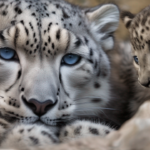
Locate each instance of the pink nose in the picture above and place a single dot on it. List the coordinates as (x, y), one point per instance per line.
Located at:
(39, 108)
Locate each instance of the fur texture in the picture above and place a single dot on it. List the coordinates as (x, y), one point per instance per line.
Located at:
(139, 28)
(37, 89)
(45, 101)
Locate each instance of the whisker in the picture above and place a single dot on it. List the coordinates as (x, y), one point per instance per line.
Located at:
(62, 120)
(100, 108)
(91, 113)
(104, 113)
(83, 114)
(87, 98)
(95, 107)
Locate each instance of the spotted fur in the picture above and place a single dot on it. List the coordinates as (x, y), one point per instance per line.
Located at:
(41, 33)
(139, 28)
(70, 102)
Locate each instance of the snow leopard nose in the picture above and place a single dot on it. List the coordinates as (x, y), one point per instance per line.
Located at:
(145, 81)
(39, 108)
(146, 84)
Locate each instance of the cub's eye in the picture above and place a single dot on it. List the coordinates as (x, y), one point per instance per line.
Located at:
(136, 59)
(70, 59)
(7, 53)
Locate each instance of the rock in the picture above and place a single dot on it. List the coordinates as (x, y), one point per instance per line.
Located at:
(134, 134)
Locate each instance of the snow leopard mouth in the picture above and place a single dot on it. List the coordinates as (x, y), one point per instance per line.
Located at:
(12, 118)
(55, 122)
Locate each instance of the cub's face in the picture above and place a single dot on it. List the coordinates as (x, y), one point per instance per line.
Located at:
(139, 28)
(53, 67)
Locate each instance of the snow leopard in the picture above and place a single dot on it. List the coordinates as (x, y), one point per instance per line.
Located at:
(55, 73)
(139, 26)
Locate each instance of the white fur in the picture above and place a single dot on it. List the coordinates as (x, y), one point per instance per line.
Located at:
(105, 18)
(43, 73)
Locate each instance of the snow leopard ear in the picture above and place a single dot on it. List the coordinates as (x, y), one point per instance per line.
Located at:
(103, 22)
(127, 18)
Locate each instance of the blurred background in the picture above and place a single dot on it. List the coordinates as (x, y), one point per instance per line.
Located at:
(133, 6)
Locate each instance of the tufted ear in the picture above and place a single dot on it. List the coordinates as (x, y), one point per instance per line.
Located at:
(104, 21)
(127, 18)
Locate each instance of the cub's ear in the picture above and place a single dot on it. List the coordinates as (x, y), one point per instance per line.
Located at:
(103, 21)
(127, 17)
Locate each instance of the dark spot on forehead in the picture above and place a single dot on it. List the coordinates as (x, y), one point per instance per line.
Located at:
(78, 42)
(2, 36)
(4, 13)
(27, 42)
(45, 43)
(1, 5)
(147, 28)
(96, 64)
(64, 25)
(22, 89)
(33, 14)
(27, 31)
(17, 31)
(91, 52)
(19, 74)
(53, 45)
(29, 6)
(79, 23)
(13, 22)
(86, 40)
(136, 33)
(65, 15)
(136, 24)
(53, 12)
(57, 6)
(49, 39)
(50, 24)
(18, 10)
(22, 22)
(45, 8)
(142, 30)
(58, 35)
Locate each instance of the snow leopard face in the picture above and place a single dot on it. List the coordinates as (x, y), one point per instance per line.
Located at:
(139, 27)
(53, 66)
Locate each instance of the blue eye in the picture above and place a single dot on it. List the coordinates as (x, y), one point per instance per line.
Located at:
(7, 53)
(136, 59)
(71, 59)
